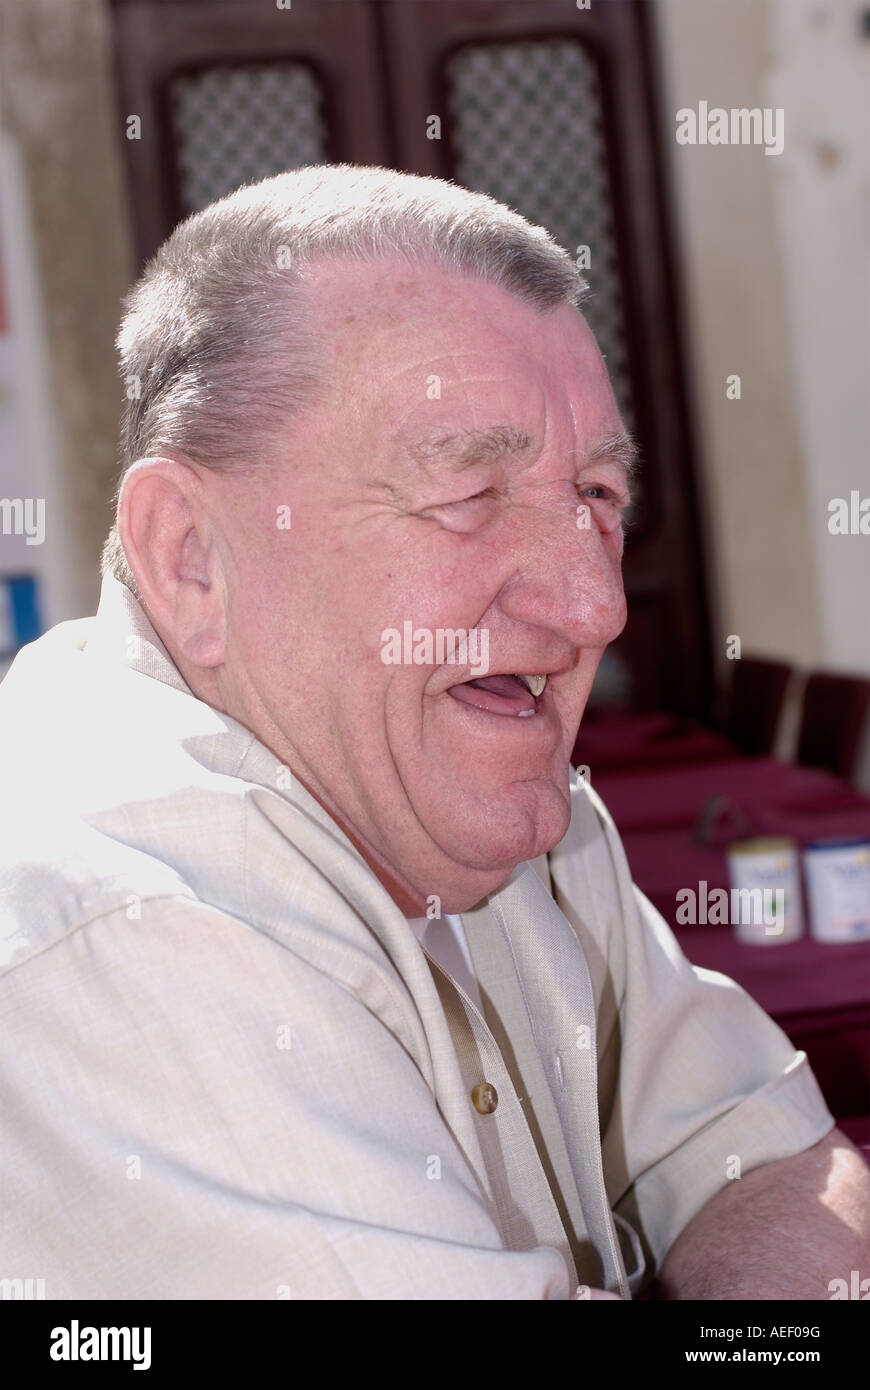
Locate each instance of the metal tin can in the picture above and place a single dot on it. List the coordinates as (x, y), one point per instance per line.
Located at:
(765, 891)
(838, 888)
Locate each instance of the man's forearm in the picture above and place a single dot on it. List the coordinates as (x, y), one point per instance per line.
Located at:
(785, 1230)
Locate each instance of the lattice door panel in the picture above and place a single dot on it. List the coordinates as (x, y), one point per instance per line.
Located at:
(527, 126)
(236, 125)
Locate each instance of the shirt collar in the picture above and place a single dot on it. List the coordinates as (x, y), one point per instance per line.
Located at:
(122, 631)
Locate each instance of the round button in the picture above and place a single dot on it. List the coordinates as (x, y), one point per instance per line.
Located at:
(485, 1098)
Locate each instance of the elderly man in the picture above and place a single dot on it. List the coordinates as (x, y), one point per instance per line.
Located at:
(321, 981)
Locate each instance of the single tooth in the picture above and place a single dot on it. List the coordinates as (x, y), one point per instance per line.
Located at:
(536, 684)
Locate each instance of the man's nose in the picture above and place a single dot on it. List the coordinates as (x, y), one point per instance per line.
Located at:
(567, 577)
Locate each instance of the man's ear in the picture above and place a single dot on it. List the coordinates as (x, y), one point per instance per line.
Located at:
(168, 535)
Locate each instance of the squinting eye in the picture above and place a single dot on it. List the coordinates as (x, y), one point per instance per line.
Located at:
(477, 497)
(455, 510)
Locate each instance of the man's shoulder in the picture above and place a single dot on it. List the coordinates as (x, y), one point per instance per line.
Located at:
(116, 789)
(59, 875)
(121, 790)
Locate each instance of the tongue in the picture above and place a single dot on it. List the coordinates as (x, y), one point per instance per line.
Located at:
(498, 694)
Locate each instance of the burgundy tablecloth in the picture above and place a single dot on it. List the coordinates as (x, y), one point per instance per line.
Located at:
(655, 798)
(619, 740)
(665, 861)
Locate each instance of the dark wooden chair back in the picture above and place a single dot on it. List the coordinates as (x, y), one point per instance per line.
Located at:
(832, 722)
(754, 704)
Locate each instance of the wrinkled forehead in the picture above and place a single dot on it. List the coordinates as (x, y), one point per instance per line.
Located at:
(420, 353)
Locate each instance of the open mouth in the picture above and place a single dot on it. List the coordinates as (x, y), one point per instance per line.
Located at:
(518, 697)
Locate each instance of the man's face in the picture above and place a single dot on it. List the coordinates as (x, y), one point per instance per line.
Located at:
(394, 520)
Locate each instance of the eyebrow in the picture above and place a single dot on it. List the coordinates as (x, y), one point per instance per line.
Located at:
(461, 449)
(621, 448)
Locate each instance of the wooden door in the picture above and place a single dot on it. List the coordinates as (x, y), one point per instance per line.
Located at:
(546, 106)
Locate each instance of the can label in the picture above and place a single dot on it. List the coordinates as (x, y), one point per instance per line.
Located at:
(766, 891)
(838, 891)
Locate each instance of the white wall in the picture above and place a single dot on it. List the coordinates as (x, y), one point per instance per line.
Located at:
(773, 256)
(29, 445)
(820, 73)
(57, 104)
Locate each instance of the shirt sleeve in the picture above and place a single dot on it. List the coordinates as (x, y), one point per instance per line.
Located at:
(697, 1084)
(193, 1111)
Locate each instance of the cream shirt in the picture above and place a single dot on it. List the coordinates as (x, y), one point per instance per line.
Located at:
(230, 1070)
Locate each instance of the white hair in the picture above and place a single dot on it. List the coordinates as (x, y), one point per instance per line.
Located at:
(219, 345)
